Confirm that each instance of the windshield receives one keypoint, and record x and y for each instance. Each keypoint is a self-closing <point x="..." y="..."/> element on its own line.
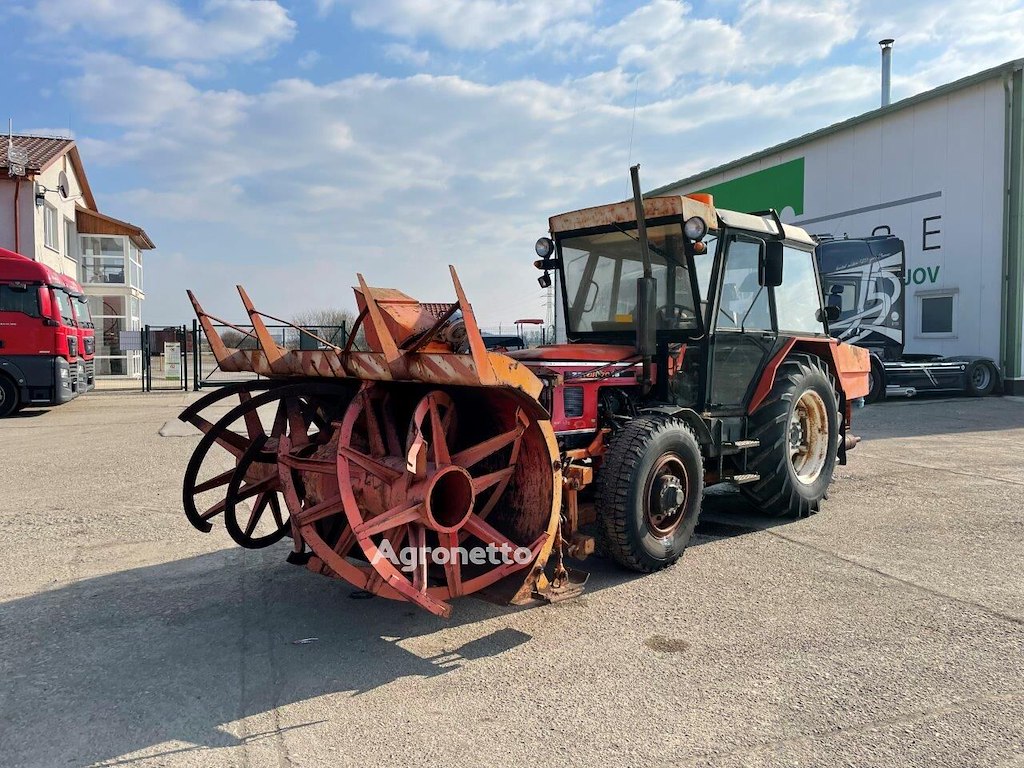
<point x="601" y="271"/>
<point x="82" y="310"/>
<point x="64" y="302"/>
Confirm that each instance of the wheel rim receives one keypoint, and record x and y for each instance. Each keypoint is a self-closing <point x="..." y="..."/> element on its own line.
<point x="666" y="491"/>
<point x="871" y="379"/>
<point x="808" y="437"/>
<point x="981" y="376"/>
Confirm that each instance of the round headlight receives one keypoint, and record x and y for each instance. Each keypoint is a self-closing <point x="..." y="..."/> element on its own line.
<point x="695" y="228"/>
<point x="544" y="247"/>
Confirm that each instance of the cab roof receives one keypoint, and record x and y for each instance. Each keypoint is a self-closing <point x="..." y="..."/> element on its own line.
<point x="14" y="266"/>
<point x="683" y="206"/>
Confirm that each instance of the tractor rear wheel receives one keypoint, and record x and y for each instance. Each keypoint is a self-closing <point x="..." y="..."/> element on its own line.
<point x="649" y="492"/>
<point x="876" y="382"/>
<point x="798" y="429"/>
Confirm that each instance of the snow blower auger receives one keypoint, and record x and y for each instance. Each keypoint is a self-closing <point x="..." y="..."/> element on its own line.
<point x="422" y="469"/>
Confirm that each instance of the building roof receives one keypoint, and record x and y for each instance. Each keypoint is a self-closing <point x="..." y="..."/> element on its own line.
<point x="942" y="90"/>
<point x="91" y="222"/>
<point x="44" y="151"/>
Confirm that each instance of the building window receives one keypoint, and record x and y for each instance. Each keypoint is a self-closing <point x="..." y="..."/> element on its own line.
<point x="70" y="239"/>
<point x="938" y="314"/>
<point x="135" y="258"/>
<point x="103" y="260"/>
<point x="50" y="219"/>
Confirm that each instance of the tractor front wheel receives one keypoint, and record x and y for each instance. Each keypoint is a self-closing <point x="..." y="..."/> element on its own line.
<point x="798" y="429"/>
<point x="649" y="492"/>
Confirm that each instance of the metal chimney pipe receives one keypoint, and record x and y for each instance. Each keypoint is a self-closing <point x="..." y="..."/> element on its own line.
<point x="886" y="70"/>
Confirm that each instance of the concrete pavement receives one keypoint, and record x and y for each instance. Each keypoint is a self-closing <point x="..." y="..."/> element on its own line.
<point x="887" y="630"/>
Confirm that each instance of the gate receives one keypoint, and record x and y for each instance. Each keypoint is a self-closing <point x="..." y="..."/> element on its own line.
<point x="205" y="371"/>
<point x="165" y="355"/>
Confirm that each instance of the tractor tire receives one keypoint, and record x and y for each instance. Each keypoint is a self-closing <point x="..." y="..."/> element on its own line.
<point x="9" y="401"/>
<point x="876" y="382"/>
<point x="798" y="428"/>
<point x="981" y="379"/>
<point x="649" y="493"/>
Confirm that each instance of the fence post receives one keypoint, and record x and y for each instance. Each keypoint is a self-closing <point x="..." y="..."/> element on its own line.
<point x="145" y="358"/>
<point x="183" y="354"/>
<point x="195" y="355"/>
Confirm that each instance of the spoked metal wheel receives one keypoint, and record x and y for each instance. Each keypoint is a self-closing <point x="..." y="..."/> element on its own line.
<point x="450" y="509"/>
<point x="809" y="437"/>
<point x="236" y="460"/>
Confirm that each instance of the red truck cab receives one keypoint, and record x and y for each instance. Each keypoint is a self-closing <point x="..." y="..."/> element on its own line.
<point x="86" y="331"/>
<point x="39" y="340"/>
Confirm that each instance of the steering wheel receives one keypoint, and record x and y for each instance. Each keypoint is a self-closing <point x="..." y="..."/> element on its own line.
<point x="669" y="315"/>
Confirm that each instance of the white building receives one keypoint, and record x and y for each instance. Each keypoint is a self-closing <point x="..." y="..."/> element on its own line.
<point x="943" y="170"/>
<point x="48" y="213"/>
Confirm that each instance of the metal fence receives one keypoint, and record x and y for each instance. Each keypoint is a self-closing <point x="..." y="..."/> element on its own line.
<point x="206" y="371"/>
<point x="174" y="356"/>
<point x="531" y="335"/>
<point x="165" y="356"/>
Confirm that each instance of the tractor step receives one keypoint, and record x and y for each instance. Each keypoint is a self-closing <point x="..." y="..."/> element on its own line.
<point x="741" y="479"/>
<point x="730" y="449"/>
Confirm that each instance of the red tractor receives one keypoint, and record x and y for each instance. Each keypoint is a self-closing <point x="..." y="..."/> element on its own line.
<point x="699" y="353"/>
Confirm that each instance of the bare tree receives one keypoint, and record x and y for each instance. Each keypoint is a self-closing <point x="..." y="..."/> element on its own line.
<point x="237" y="340"/>
<point x="331" y="324"/>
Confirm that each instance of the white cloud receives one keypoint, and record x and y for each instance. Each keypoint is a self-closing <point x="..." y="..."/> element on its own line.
<point x="309" y="59"/>
<point x="666" y="42"/>
<point x="396" y="177"/>
<point x="293" y="186"/>
<point x="406" y="54"/>
<point x="162" y="29"/>
<point x="463" y="24"/>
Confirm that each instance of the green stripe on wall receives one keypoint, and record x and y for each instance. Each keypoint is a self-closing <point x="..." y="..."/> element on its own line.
<point x="779" y="187"/>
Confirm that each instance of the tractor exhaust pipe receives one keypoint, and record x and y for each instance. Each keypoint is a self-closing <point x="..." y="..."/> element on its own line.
<point x="646" y="289"/>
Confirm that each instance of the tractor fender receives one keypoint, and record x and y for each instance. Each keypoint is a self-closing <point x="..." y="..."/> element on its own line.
<point x="849" y="365"/>
<point x="692" y="419"/>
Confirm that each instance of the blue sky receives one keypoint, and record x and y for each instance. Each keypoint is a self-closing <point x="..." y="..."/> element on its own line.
<point x="288" y="144"/>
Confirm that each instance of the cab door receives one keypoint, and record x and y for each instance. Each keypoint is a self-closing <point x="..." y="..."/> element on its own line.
<point x="742" y="323"/>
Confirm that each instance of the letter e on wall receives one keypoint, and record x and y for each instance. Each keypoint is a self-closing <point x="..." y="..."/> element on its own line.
<point x="930" y="237"/>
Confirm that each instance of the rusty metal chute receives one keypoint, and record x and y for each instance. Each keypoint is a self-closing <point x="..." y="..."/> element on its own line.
<point x="423" y="442"/>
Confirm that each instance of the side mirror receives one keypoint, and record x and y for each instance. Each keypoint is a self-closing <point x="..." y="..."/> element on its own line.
<point x="834" y="302"/>
<point x="646" y="315"/>
<point x="769" y="268"/>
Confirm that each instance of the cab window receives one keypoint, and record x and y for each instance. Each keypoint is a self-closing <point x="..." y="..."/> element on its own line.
<point x="797" y="300"/>
<point x="20" y="298"/>
<point x="744" y="301"/>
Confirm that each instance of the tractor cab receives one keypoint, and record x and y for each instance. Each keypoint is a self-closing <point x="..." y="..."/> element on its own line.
<point x="729" y="291"/>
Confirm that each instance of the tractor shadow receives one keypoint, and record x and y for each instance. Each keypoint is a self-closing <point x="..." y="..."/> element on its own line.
<point x="108" y="666"/>
<point x="179" y="652"/>
<point x="724" y="514"/>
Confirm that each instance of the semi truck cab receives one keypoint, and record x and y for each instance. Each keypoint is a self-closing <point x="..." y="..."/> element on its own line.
<point x="86" y="331"/>
<point x="39" y="341"/>
<point x="863" y="276"/>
